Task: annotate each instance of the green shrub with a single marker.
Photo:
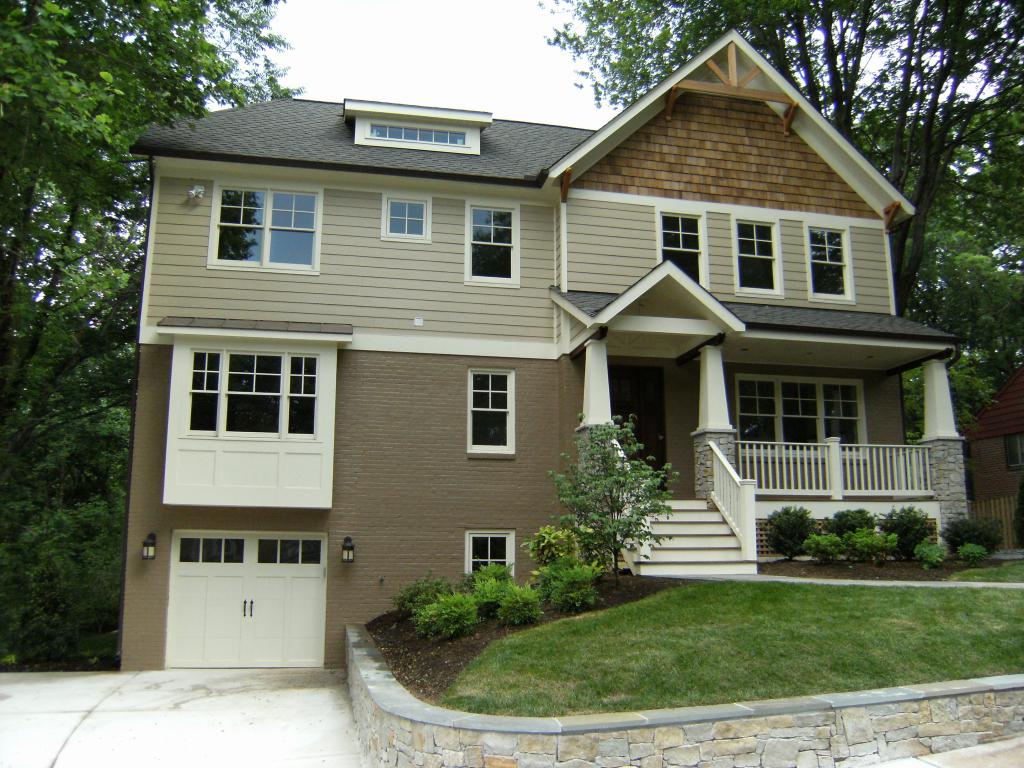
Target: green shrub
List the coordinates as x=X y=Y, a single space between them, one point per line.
x=911 y=527
x=421 y=592
x=849 y=520
x=449 y=616
x=568 y=585
x=865 y=545
x=825 y=547
x=488 y=594
x=972 y=554
x=929 y=554
x=972 y=530
x=788 y=529
x=550 y=544
x=494 y=571
x=519 y=605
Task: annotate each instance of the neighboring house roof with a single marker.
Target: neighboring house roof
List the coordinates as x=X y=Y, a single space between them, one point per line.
x=314 y=134
x=1005 y=414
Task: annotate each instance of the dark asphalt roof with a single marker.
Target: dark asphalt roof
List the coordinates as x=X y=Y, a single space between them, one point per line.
x=314 y=134
x=255 y=325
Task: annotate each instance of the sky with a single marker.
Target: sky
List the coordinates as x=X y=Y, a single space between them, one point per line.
x=486 y=55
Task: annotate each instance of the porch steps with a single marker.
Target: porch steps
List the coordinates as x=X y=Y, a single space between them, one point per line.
x=696 y=541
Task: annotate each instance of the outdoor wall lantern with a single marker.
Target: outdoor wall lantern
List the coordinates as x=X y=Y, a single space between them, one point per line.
x=348 y=550
x=149 y=547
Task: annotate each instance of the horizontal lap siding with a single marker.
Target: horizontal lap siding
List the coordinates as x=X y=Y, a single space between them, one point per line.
x=870 y=269
x=611 y=245
x=363 y=280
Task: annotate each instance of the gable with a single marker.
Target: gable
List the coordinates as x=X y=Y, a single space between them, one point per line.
x=724 y=150
x=1005 y=416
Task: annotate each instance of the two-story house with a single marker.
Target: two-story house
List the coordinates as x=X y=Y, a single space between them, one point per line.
x=368 y=331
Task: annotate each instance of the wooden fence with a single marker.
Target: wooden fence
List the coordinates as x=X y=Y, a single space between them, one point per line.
x=1001 y=510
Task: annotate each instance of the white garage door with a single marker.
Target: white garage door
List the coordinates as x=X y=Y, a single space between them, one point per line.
x=246 y=599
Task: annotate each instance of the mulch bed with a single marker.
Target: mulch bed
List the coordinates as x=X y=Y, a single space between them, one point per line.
x=428 y=667
x=74 y=665
x=891 y=571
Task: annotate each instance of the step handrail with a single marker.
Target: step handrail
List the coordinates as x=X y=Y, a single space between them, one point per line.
x=735 y=500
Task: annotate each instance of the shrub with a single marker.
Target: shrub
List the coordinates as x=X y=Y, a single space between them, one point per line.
x=972 y=530
x=929 y=554
x=421 y=592
x=449 y=616
x=519 y=605
x=825 y=547
x=868 y=545
x=849 y=520
x=488 y=594
x=788 y=529
x=568 y=585
x=972 y=554
x=551 y=543
x=911 y=527
x=493 y=571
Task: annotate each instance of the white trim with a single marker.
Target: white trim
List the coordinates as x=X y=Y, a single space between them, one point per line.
x=778 y=276
x=686 y=209
x=333 y=339
x=849 y=295
x=510 y=445
x=571 y=308
x=510 y=546
x=496 y=282
x=563 y=234
x=150 y=251
x=888 y=273
x=818 y=381
x=354 y=107
x=385 y=216
x=670 y=325
x=860 y=341
x=363 y=124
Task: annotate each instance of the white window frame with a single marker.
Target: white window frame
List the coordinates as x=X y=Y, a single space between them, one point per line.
x=268 y=188
x=510 y=546
x=819 y=395
x=510 y=444
x=848 y=295
x=777 y=271
x=496 y=282
x=385 y=217
x=363 y=135
x=679 y=208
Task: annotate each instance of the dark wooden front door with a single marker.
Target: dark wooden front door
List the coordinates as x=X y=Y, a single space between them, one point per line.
x=639 y=391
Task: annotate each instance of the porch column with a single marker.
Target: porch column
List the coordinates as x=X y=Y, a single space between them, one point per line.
x=944 y=443
x=597 y=400
x=712 y=420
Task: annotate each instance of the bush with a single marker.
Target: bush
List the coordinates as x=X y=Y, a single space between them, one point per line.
x=911 y=527
x=519 y=605
x=788 y=529
x=488 y=594
x=449 y=616
x=968 y=530
x=929 y=554
x=493 y=571
x=865 y=545
x=825 y=547
x=550 y=544
x=568 y=585
x=421 y=592
x=849 y=520
x=972 y=554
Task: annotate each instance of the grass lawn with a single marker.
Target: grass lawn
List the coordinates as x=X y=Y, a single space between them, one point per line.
x=715 y=643
x=1006 y=572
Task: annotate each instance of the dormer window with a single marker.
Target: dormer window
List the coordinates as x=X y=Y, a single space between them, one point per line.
x=425 y=135
x=403 y=126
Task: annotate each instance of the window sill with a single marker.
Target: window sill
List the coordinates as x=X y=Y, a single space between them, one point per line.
x=761 y=292
x=244 y=267
x=251 y=437
x=495 y=283
x=489 y=455
x=400 y=239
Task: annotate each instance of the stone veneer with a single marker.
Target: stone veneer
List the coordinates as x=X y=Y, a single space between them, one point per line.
x=843 y=730
x=946 y=462
x=703 y=473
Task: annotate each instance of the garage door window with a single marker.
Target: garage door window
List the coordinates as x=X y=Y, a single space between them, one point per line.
x=290 y=551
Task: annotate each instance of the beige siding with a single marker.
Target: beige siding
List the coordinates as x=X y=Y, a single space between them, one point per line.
x=870 y=269
x=363 y=280
x=611 y=245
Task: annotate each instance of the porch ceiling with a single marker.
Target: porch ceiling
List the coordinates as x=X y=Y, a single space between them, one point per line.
x=826 y=351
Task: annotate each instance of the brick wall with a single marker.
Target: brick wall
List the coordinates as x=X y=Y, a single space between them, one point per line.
x=992 y=478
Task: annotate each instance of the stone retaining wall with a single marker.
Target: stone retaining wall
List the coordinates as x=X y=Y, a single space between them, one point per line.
x=842 y=730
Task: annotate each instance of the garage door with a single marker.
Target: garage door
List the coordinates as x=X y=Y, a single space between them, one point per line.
x=246 y=599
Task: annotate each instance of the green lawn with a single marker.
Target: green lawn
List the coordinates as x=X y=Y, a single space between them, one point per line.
x=1006 y=572
x=714 y=643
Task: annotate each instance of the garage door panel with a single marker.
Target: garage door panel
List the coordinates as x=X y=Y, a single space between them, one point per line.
x=224 y=618
x=187 y=621
x=269 y=619
x=304 y=627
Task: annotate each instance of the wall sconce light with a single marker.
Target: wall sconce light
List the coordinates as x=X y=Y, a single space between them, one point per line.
x=348 y=550
x=149 y=547
x=197 y=192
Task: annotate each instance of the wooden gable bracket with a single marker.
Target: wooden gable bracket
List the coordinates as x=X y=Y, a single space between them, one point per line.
x=670 y=102
x=889 y=214
x=787 y=119
x=566 y=180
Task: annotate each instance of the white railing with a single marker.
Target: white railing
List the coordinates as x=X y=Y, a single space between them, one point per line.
x=735 y=500
x=834 y=469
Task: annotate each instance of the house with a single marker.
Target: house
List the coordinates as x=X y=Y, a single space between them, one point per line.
x=368 y=330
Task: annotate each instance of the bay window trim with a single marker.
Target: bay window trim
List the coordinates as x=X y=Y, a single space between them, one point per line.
x=510 y=434
x=495 y=282
x=778 y=276
x=820 y=417
x=848 y=296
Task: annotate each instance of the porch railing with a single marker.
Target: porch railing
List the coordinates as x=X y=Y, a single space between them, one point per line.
x=835 y=469
x=734 y=498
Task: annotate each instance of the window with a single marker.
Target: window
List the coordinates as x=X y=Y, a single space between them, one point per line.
x=680 y=243
x=842 y=411
x=248 y=234
x=425 y=135
x=487 y=547
x=491 y=412
x=492 y=245
x=755 y=250
x=798 y=410
x=757 y=410
x=289 y=551
x=828 y=263
x=216 y=550
x=251 y=400
x=1015 y=450
x=405 y=218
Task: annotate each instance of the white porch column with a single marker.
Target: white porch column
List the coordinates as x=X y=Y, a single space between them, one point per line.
x=939 y=421
x=597 y=400
x=713 y=411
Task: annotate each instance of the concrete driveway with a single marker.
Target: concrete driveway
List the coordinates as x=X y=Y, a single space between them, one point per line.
x=287 y=717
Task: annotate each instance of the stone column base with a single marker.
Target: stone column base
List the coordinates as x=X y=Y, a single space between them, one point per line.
x=946 y=462
x=703 y=480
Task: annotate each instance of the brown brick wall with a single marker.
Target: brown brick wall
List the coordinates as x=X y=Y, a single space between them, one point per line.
x=992 y=478
x=725 y=151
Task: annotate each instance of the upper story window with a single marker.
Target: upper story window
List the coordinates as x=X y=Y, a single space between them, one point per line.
x=491 y=411
x=264 y=228
x=798 y=411
x=405 y=218
x=829 y=264
x=492 y=245
x=425 y=135
x=1015 y=450
x=756 y=264
x=680 y=243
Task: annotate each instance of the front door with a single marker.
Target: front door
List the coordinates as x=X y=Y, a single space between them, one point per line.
x=638 y=392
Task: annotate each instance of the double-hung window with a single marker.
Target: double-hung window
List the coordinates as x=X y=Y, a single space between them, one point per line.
x=489 y=548
x=680 y=243
x=492 y=245
x=1015 y=450
x=756 y=265
x=798 y=411
x=265 y=228
x=491 y=411
x=828 y=263
x=405 y=218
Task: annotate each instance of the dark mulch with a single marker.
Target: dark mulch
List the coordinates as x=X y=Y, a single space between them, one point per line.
x=891 y=571
x=65 y=665
x=428 y=667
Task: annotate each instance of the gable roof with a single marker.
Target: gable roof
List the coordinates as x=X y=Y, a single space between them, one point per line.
x=1005 y=414
x=812 y=127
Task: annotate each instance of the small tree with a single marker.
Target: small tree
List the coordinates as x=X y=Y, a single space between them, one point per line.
x=611 y=492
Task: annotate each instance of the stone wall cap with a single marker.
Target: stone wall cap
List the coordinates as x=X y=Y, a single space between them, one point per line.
x=867 y=698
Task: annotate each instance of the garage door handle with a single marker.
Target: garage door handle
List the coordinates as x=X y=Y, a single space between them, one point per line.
x=250 y=609
x=243 y=607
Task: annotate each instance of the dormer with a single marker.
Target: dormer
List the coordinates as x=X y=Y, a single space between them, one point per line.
x=380 y=124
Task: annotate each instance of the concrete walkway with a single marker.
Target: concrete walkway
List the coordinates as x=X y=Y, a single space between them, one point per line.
x=997 y=754
x=288 y=717
x=866 y=582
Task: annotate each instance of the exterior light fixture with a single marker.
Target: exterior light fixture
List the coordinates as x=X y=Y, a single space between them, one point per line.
x=149 y=547
x=348 y=550
x=197 y=192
